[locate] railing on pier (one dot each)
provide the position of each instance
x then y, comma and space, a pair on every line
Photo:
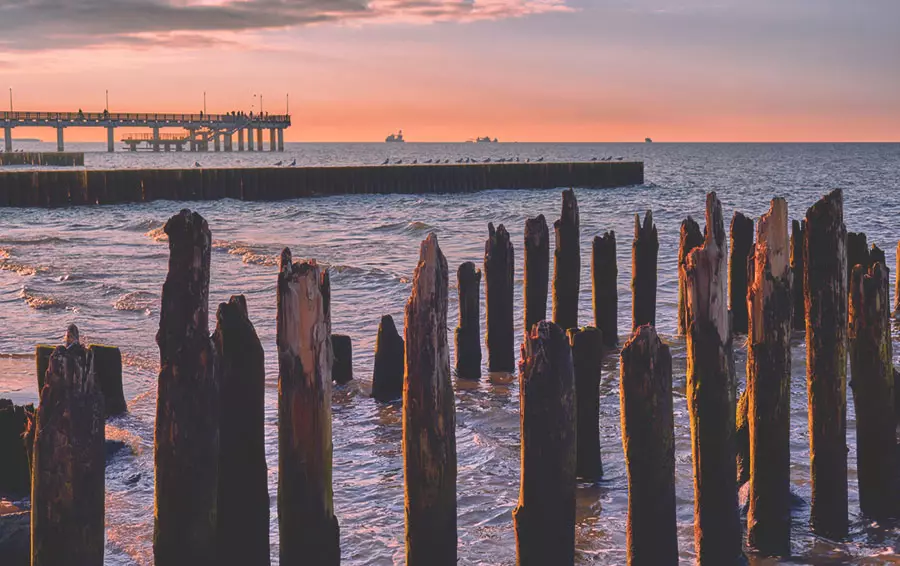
141, 117
161, 137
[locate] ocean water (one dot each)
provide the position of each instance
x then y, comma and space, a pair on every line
103, 268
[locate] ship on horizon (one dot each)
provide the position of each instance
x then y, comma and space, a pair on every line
485, 139
395, 138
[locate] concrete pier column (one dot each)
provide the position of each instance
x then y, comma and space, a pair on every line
155, 142
273, 146
241, 139
60, 145
110, 139
216, 142
227, 142
249, 139
280, 139
259, 142
193, 139
7, 138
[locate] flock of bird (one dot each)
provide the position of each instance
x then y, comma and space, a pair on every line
486, 160
278, 164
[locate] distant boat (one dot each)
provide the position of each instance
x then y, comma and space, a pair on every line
395, 138
485, 139
648, 140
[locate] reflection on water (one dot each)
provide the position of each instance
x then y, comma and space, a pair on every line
103, 268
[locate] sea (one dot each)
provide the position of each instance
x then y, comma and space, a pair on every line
103, 267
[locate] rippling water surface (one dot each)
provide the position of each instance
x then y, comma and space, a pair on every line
103, 268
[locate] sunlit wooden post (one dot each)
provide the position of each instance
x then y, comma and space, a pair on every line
498, 274
567, 264
691, 237
798, 229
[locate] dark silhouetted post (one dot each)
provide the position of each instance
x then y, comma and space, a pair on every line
897, 293
648, 438
108, 364
857, 253
691, 237
587, 356
468, 333
825, 280
711, 397
567, 264
387, 378
769, 385
604, 275
342, 348
798, 229
545, 516
307, 525
429, 420
15, 467
537, 270
187, 406
741, 250
243, 502
644, 254
498, 275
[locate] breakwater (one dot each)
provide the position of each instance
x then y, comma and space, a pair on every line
64, 188
47, 159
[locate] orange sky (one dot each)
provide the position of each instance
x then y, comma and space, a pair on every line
450, 70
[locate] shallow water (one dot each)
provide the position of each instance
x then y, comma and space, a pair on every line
103, 268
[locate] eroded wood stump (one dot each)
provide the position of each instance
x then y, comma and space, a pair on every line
741, 250
243, 491
537, 270
769, 385
15, 470
742, 438
604, 276
545, 516
857, 253
468, 332
798, 239
498, 273
186, 449
567, 264
644, 255
825, 280
429, 419
691, 237
42, 353
342, 348
387, 377
648, 439
108, 364
587, 357
306, 521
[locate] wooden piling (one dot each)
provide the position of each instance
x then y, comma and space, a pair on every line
468, 332
387, 378
545, 516
741, 250
429, 420
243, 490
42, 353
108, 361
897, 289
798, 230
15, 469
857, 253
742, 437
307, 525
604, 279
342, 348
537, 270
769, 385
498, 290
648, 439
872, 380
644, 255
186, 449
567, 264
68, 481
691, 237
711, 397
825, 279
587, 356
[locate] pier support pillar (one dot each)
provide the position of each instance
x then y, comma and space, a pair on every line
193, 139
155, 142
216, 142
280, 139
259, 139
60, 145
240, 139
110, 139
7, 138
249, 139
272, 144
227, 142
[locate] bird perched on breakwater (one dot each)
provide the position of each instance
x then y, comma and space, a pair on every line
279, 164
427, 161
386, 161
196, 164
292, 163
488, 160
398, 162
593, 159
619, 158
541, 158
415, 161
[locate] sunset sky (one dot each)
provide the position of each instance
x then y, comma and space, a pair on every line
449, 70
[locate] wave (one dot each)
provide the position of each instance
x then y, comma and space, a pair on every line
143, 225
157, 234
136, 301
414, 227
37, 240
250, 254
20, 268
41, 302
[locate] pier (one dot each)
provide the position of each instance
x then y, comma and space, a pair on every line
199, 131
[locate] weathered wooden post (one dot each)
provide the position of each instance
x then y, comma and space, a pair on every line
711, 397
824, 280
342, 369
741, 251
567, 264
429, 420
691, 237
108, 361
537, 270
872, 380
798, 229
243, 498
857, 253
498, 293
68, 482
308, 528
769, 385
897, 290
742, 437
604, 275
387, 377
186, 449
15, 468
644, 255
648, 438
587, 356
468, 332
545, 516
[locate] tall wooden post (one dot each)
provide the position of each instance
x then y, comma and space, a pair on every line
691, 237
108, 361
711, 397
872, 380
498, 273
604, 276
537, 270
387, 378
69, 461
897, 286
825, 280
306, 522
342, 349
429, 420
567, 264
187, 408
644, 255
798, 229
769, 385
243, 500
545, 516
648, 438
468, 332
587, 356
857, 253
741, 251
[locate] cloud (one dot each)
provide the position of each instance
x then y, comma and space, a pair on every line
37, 25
